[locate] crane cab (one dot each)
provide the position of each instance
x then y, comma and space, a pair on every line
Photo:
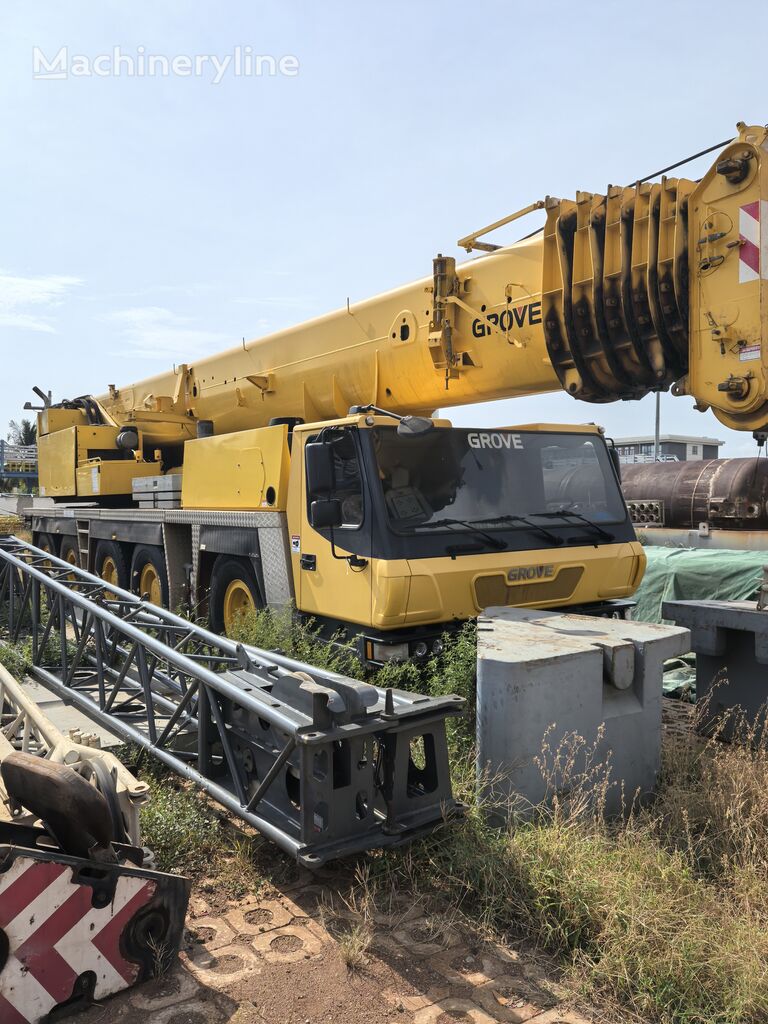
399, 535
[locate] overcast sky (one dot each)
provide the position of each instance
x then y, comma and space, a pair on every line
149, 220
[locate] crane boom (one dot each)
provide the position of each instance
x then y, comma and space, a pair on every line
642, 288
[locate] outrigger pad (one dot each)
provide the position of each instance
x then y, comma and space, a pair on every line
72, 810
73, 932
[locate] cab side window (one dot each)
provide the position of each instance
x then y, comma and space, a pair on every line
347, 478
349, 481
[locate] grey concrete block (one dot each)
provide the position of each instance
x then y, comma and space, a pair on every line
730, 639
573, 673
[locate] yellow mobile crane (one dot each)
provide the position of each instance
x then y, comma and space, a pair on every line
306, 466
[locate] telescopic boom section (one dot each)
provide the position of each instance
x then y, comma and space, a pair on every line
646, 287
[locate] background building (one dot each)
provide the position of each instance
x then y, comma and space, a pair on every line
672, 447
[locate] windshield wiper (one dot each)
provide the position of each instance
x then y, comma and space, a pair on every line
562, 513
468, 524
508, 517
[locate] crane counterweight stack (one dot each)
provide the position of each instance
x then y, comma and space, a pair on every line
643, 288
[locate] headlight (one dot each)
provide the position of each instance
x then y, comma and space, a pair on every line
438, 647
420, 649
390, 652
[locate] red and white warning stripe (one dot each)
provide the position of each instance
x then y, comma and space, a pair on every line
753, 253
55, 935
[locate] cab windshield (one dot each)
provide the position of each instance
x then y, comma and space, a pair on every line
500, 479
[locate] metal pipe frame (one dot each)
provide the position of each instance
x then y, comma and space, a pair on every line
24, 727
252, 728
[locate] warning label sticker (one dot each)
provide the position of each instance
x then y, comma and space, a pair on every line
749, 352
295, 544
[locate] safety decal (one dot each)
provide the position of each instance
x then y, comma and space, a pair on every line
749, 236
54, 934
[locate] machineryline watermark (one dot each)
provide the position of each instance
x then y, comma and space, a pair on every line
242, 62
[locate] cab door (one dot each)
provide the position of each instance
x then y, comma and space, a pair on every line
334, 571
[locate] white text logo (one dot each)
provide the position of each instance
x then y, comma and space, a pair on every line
242, 62
495, 440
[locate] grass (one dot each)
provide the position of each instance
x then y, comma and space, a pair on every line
179, 827
17, 658
663, 916
350, 921
186, 835
354, 944
660, 917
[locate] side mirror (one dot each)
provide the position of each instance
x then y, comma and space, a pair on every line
318, 459
414, 426
325, 513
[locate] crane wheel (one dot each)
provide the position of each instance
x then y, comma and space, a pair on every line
46, 543
69, 553
110, 564
234, 593
148, 575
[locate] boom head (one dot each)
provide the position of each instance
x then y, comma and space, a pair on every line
663, 284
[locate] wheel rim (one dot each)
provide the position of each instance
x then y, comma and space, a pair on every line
47, 549
47, 564
70, 556
109, 571
238, 600
149, 584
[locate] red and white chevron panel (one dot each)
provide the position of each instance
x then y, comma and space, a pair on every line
753, 253
55, 935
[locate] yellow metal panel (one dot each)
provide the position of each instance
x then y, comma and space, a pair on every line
92, 440
443, 589
728, 275
67, 459
51, 420
57, 461
390, 583
98, 478
243, 471
555, 428
424, 598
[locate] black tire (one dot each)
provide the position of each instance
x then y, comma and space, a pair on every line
228, 571
47, 542
109, 551
144, 556
69, 551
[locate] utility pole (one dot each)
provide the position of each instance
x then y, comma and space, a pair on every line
658, 427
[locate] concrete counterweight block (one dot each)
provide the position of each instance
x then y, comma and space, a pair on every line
545, 676
730, 639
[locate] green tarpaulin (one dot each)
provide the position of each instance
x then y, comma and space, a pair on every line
690, 574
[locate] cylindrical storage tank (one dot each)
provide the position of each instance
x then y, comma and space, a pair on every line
727, 493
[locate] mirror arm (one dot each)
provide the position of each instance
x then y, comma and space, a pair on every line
355, 410
353, 560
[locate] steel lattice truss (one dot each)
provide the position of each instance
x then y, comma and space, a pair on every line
321, 764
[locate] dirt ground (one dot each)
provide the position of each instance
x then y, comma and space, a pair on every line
276, 959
